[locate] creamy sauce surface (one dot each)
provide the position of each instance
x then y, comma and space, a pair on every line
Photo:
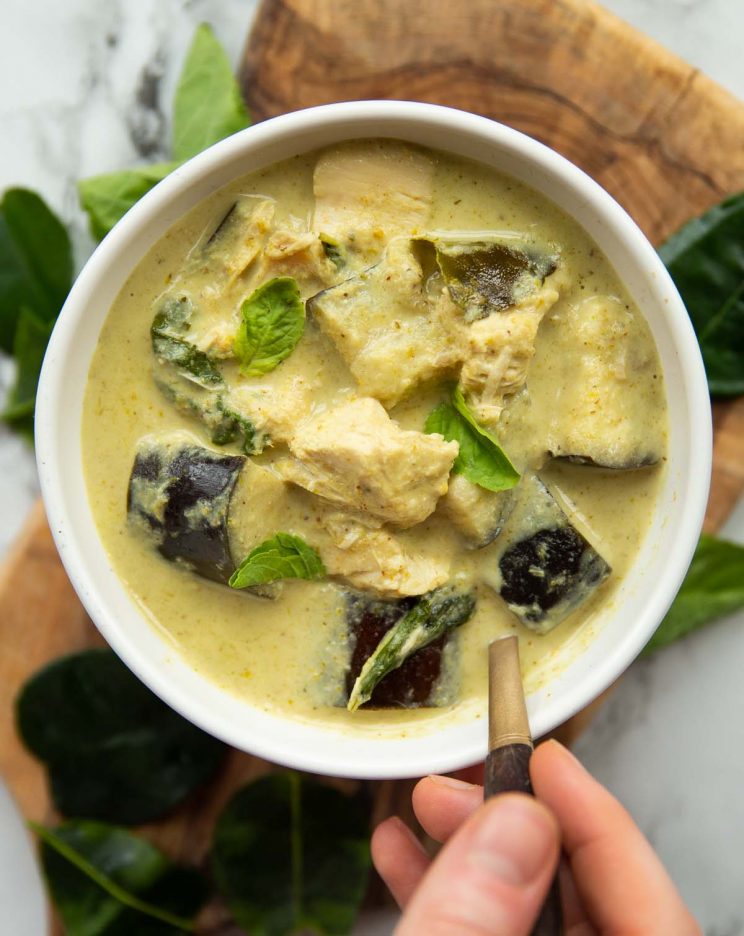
289, 655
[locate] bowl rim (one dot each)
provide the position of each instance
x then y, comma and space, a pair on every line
299, 131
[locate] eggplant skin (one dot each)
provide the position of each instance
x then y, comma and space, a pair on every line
546, 575
182, 493
413, 683
629, 463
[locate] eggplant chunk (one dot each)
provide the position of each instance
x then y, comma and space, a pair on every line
226, 423
415, 682
546, 568
428, 620
182, 493
477, 514
603, 401
384, 316
491, 273
238, 238
367, 191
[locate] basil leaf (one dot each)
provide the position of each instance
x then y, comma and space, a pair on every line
291, 856
105, 881
273, 323
480, 459
35, 262
31, 338
706, 261
713, 588
208, 105
107, 198
112, 749
284, 556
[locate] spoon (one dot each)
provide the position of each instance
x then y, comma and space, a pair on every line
509, 750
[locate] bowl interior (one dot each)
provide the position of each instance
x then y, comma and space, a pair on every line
621, 630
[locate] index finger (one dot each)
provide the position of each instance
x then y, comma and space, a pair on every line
621, 882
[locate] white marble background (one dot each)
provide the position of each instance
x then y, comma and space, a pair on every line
85, 87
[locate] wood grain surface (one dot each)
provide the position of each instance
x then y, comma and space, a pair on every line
659, 135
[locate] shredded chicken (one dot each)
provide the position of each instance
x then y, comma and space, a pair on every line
356, 456
501, 347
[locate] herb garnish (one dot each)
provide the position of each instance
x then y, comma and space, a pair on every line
706, 260
713, 588
35, 277
284, 556
292, 856
207, 108
480, 459
113, 750
107, 882
273, 323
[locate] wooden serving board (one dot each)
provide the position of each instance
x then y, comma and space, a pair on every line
659, 135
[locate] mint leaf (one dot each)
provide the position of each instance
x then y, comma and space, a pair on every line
107, 198
292, 856
31, 338
35, 262
273, 323
106, 881
713, 588
284, 556
480, 459
208, 105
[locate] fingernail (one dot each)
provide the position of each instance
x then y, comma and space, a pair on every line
566, 754
403, 829
516, 838
451, 783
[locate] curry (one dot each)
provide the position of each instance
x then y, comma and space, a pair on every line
358, 414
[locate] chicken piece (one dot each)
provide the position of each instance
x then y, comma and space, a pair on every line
501, 347
479, 515
238, 239
603, 399
374, 560
368, 191
275, 408
356, 456
353, 549
389, 330
300, 254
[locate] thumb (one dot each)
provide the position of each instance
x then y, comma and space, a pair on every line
491, 877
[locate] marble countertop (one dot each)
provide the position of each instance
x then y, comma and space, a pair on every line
89, 93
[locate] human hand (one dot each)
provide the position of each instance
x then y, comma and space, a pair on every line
492, 876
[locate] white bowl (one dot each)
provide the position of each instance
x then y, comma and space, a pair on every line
651, 582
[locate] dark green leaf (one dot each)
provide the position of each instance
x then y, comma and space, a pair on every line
284, 556
713, 587
291, 856
112, 748
480, 459
273, 323
706, 261
105, 881
31, 338
107, 198
490, 275
35, 262
208, 106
